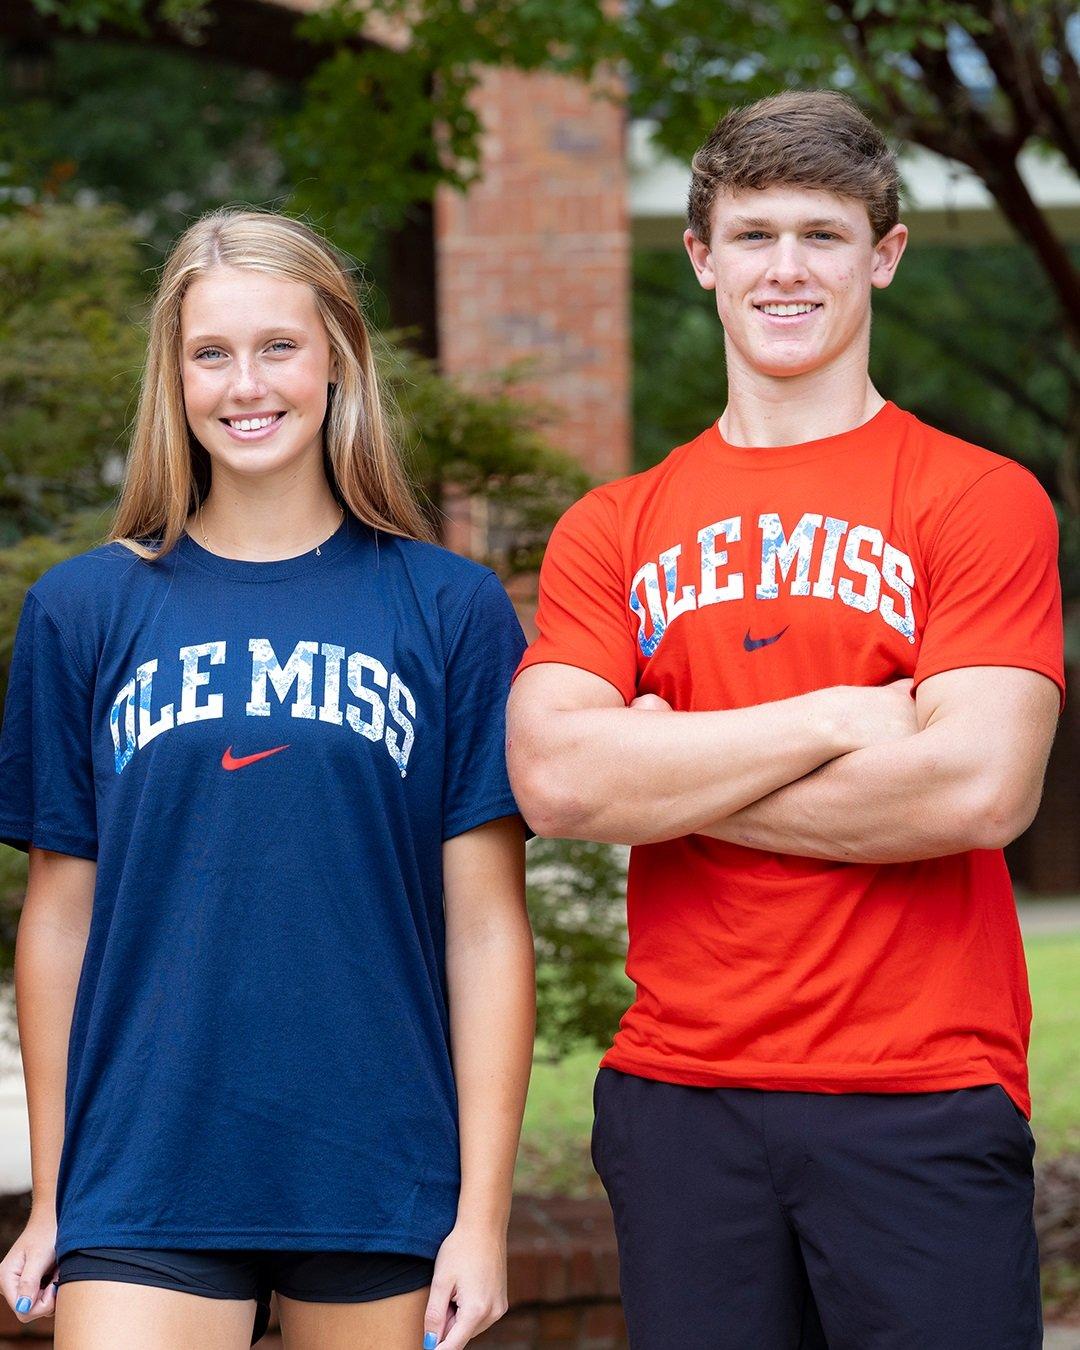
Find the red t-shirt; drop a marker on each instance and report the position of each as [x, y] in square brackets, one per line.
[728, 576]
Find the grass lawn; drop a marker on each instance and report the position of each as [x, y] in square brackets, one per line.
[555, 1140]
[1054, 971]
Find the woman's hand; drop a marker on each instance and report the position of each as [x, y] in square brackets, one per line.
[470, 1275]
[32, 1258]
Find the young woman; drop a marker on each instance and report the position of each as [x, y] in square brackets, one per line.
[254, 746]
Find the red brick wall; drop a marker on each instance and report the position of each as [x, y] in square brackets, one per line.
[533, 261]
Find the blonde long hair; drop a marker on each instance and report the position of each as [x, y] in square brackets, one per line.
[168, 471]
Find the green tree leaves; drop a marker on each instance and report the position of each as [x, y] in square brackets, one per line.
[70, 355]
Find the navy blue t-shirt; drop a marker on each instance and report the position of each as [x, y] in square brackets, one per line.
[264, 759]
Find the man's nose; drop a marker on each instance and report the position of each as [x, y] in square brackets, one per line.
[787, 263]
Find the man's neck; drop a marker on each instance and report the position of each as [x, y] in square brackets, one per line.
[763, 410]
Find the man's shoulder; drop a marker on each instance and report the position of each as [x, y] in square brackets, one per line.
[944, 459]
[952, 484]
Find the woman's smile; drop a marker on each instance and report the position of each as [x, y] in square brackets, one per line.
[256, 427]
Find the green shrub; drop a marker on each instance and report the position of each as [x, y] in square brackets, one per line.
[70, 353]
[577, 904]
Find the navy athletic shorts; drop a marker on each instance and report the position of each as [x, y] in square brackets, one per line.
[751, 1220]
[314, 1277]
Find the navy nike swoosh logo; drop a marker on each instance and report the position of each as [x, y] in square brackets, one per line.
[752, 644]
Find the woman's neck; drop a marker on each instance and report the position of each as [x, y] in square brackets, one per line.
[259, 522]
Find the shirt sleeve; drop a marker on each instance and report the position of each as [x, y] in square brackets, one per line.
[994, 588]
[582, 617]
[483, 652]
[46, 769]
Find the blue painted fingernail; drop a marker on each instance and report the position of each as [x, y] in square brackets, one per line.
[430, 1340]
[23, 1304]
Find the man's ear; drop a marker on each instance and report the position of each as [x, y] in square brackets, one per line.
[700, 260]
[888, 251]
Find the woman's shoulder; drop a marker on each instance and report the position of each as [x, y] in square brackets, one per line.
[433, 567]
[449, 590]
[77, 587]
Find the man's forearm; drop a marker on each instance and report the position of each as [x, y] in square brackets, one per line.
[618, 775]
[911, 799]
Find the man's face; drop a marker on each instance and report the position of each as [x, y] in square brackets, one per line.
[793, 270]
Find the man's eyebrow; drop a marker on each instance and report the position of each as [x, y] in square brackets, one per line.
[757, 223]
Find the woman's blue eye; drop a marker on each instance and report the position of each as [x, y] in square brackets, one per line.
[278, 345]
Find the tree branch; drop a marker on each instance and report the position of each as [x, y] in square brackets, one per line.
[962, 132]
[1058, 16]
[1012, 51]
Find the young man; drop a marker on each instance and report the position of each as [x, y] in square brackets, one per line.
[840, 634]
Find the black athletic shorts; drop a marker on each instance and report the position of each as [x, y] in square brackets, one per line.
[754, 1220]
[314, 1277]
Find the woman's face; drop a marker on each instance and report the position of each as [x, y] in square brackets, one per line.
[255, 362]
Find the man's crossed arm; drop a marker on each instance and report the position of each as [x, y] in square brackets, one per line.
[851, 774]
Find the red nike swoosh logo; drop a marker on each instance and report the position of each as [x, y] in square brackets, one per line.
[228, 762]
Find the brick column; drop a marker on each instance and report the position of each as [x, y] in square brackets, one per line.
[533, 261]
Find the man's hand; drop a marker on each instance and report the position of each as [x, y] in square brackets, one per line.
[970, 778]
[881, 713]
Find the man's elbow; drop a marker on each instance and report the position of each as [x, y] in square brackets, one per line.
[544, 791]
[999, 813]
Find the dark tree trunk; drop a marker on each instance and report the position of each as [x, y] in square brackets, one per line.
[411, 284]
[1010, 191]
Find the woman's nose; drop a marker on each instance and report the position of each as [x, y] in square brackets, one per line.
[248, 381]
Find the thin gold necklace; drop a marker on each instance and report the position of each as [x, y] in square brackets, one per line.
[318, 547]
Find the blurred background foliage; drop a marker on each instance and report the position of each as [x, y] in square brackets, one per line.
[70, 352]
[163, 135]
[577, 903]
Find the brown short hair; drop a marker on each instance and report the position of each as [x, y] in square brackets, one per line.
[814, 139]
